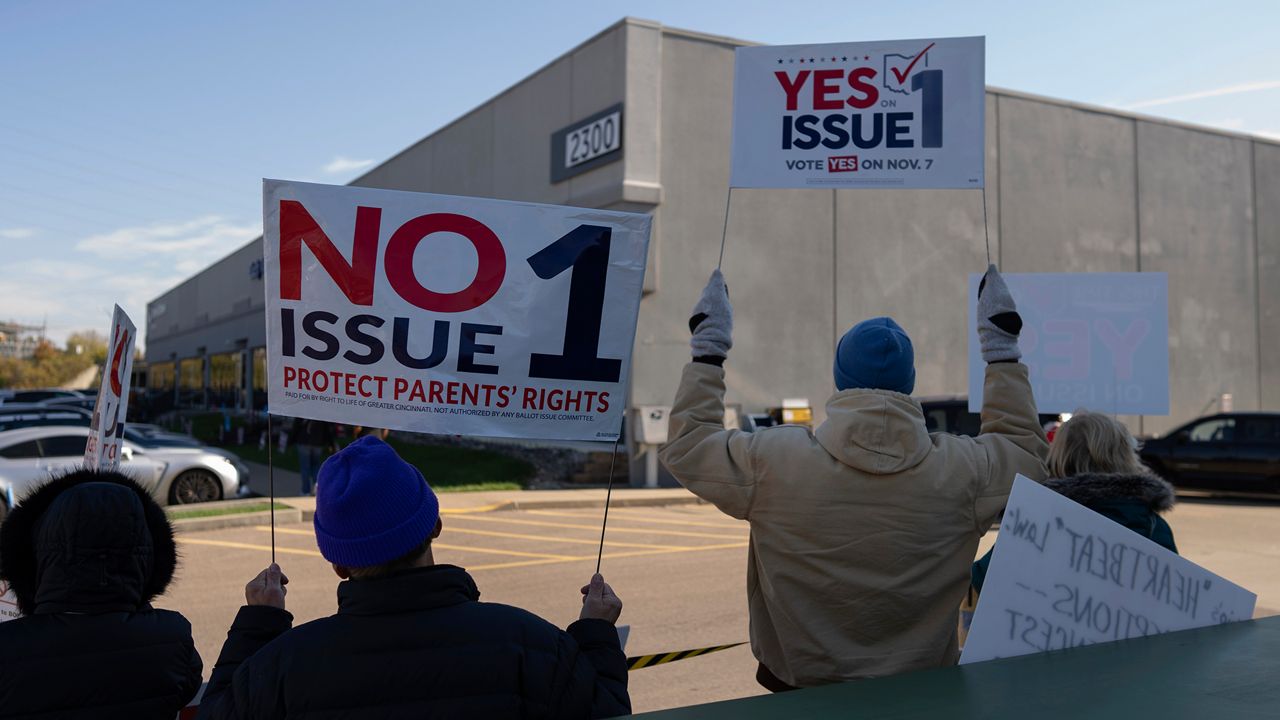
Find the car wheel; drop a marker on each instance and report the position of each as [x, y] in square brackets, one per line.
[195, 486]
[4, 511]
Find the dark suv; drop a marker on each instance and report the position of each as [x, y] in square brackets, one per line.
[950, 414]
[1230, 451]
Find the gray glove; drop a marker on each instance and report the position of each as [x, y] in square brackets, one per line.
[998, 320]
[712, 321]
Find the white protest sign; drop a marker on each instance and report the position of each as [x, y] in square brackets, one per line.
[1091, 340]
[891, 114]
[1063, 576]
[8, 603]
[452, 315]
[102, 451]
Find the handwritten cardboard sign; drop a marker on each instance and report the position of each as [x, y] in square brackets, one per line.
[1091, 340]
[1063, 576]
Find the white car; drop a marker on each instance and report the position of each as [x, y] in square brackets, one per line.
[175, 476]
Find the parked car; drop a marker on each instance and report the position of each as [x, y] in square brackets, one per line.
[148, 437]
[175, 476]
[1229, 452]
[950, 414]
[86, 402]
[19, 415]
[33, 396]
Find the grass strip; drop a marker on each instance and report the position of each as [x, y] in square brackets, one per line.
[199, 512]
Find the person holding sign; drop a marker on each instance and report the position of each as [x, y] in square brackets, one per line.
[1093, 461]
[410, 637]
[86, 554]
[862, 531]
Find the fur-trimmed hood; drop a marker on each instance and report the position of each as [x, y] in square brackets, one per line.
[1093, 488]
[88, 542]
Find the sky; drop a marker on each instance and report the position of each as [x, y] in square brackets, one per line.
[134, 135]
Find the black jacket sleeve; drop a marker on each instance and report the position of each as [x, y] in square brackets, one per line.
[244, 686]
[600, 668]
[193, 677]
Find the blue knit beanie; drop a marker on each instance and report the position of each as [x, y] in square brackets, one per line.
[371, 506]
[876, 354]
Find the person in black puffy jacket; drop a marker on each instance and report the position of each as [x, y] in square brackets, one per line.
[85, 554]
[410, 638]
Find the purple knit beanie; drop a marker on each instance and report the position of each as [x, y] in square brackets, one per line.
[371, 506]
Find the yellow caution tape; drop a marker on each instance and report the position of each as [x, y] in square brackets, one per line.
[644, 661]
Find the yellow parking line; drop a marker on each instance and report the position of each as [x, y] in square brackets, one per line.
[516, 553]
[284, 531]
[247, 546]
[477, 509]
[638, 553]
[523, 563]
[544, 538]
[597, 527]
[634, 518]
[607, 556]
[490, 533]
[554, 560]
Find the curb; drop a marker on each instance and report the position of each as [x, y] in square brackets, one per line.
[548, 504]
[305, 515]
[573, 503]
[218, 522]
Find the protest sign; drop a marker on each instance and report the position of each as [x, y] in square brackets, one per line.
[451, 315]
[891, 114]
[1097, 341]
[106, 430]
[8, 603]
[1063, 576]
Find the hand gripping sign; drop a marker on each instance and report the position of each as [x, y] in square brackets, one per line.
[106, 430]
[895, 114]
[450, 315]
[1063, 576]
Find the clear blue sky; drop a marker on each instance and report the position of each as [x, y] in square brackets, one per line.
[133, 135]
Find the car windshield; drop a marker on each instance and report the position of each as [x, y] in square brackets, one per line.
[1218, 430]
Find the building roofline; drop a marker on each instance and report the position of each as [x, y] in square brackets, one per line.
[737, 42]
[1129, 115]
[524, 79]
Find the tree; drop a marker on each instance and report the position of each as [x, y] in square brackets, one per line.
[88, 342]
[47, 367]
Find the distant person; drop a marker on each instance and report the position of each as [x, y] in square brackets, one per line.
[365, 431]
[1094, 461]
[410, 638]
[863, 530]
[314, 441]
[85, 554]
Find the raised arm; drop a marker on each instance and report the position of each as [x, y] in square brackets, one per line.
[713, 463]
[1011, 434]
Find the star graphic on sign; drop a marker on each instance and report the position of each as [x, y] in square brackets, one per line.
[866, 57]
[810, 59]
[844, 59]
[779, 61]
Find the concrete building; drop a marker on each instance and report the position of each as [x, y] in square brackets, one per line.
[1070, 188]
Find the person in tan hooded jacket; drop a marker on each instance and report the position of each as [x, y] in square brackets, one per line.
[863, 530]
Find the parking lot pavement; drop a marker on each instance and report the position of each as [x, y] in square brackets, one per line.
[679, 570]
